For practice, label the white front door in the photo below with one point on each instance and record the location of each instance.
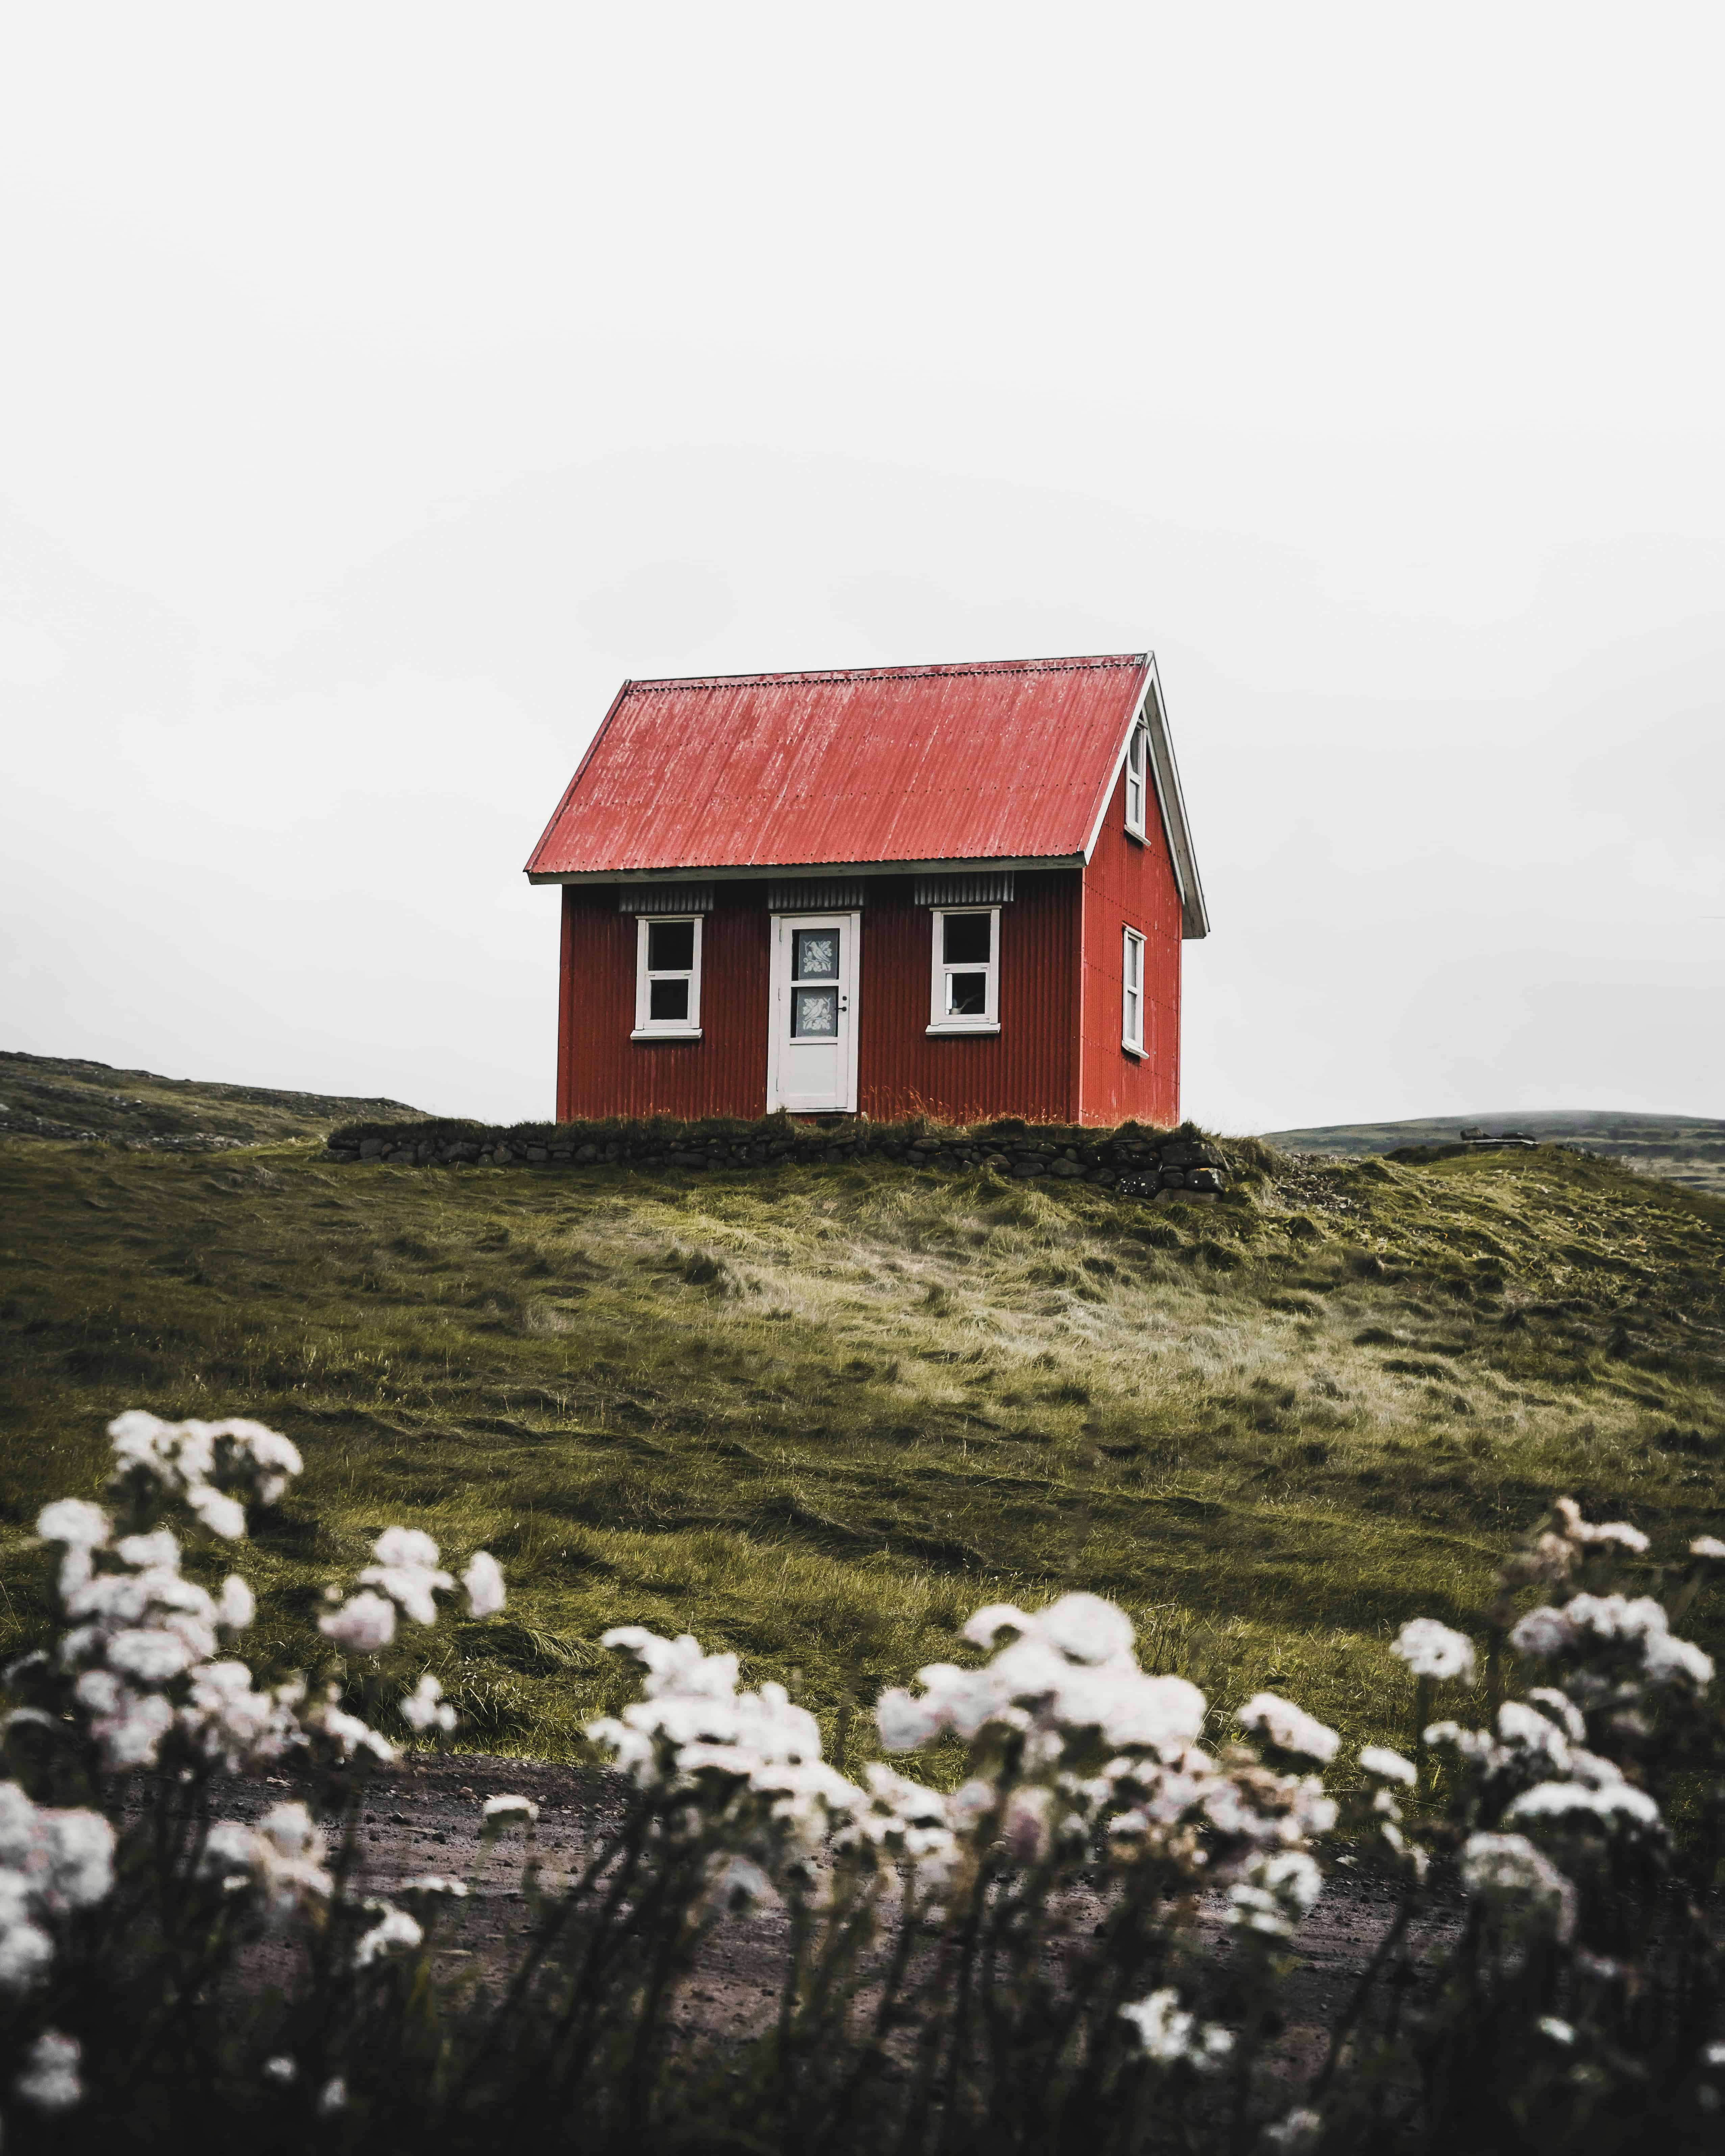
(811, 1060)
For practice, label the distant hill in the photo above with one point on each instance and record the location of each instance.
(1686, 1149)
(59, 1097)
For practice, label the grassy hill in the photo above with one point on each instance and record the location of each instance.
(58, 1096)
(1686, 1149)
(818, 1416)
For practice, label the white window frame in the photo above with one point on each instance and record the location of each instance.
(647, 1027)
(1137, 780)
(1132, 992)
(940, 1020)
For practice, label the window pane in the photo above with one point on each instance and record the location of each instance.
(967, 995)
(814, 1014)
(968, 941)
(817, 954)
(671, 947)
(668, 1000)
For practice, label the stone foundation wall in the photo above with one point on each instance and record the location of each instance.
(1137, 1163)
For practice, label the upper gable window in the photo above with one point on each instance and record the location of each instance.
(1137, 779)
(964, 992)
(668, 978)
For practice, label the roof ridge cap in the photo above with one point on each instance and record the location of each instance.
(933, 669)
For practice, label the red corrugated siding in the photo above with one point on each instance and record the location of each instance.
(998, 761)
(602, 1072)
(1130, 886)
(1029, 1068)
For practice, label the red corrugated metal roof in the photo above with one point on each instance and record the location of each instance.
(997, 761)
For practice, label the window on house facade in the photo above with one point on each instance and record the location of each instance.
(667, 979)
(1137, 779)
(965, 989)
(1132, 994)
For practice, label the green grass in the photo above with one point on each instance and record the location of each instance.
(819, 1414)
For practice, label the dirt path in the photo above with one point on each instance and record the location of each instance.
(424, 1817)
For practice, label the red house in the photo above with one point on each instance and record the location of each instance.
(952, 891)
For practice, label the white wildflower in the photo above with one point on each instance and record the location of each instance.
(1559, 2030)
(484, 1582)
(1165, 1714)
(1387, 1766)
(333, 2096)
(1507, 1869)
(425, 1708)
(25, 1952)
(1432, 1649)
(1172, 2036)
(76, 1859)
(435, 1884)
(237, 1606)
(346, 1732)
(1543, 1632)
(1615, 1802)
(281, 2070)
(1276, 1892)
(151, 1658)
(221, 1514)
(1086, 1628)
(406, 1571)
(1289, 1728)
(1294, 2132)
(225, 1719)
(128, 1725)
(396, 1931)
(1557, 1706)
(506, 1809)
(984, 1626)
(159, 1552)
(364, 1624)
(905, 1721)
(1709, 1546)
(1617, 1534)
(49, 2081)
(1668, 1660)
(71, 1521)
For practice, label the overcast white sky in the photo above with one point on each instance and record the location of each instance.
(380, 385)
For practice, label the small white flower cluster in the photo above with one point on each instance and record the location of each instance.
(135, 1625)
(407, 1571)
(1275, 1895)
(1431, 1650)
(1289, 1728)
(49, 2081)
(1505, 1871)
(1535, 1767)
(1620, 1644)
(426, 1708)
(51, 1862)
(282, 1859)
(395, 1931)
(749, 1762)
(215, 1469)
(1105, 1762)
(1078, 1756)
(1171, 2037)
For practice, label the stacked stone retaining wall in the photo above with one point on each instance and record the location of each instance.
(1136, 1162)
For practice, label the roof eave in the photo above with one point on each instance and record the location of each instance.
(752, 871)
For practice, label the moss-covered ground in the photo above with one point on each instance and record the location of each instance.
(819, 1414)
